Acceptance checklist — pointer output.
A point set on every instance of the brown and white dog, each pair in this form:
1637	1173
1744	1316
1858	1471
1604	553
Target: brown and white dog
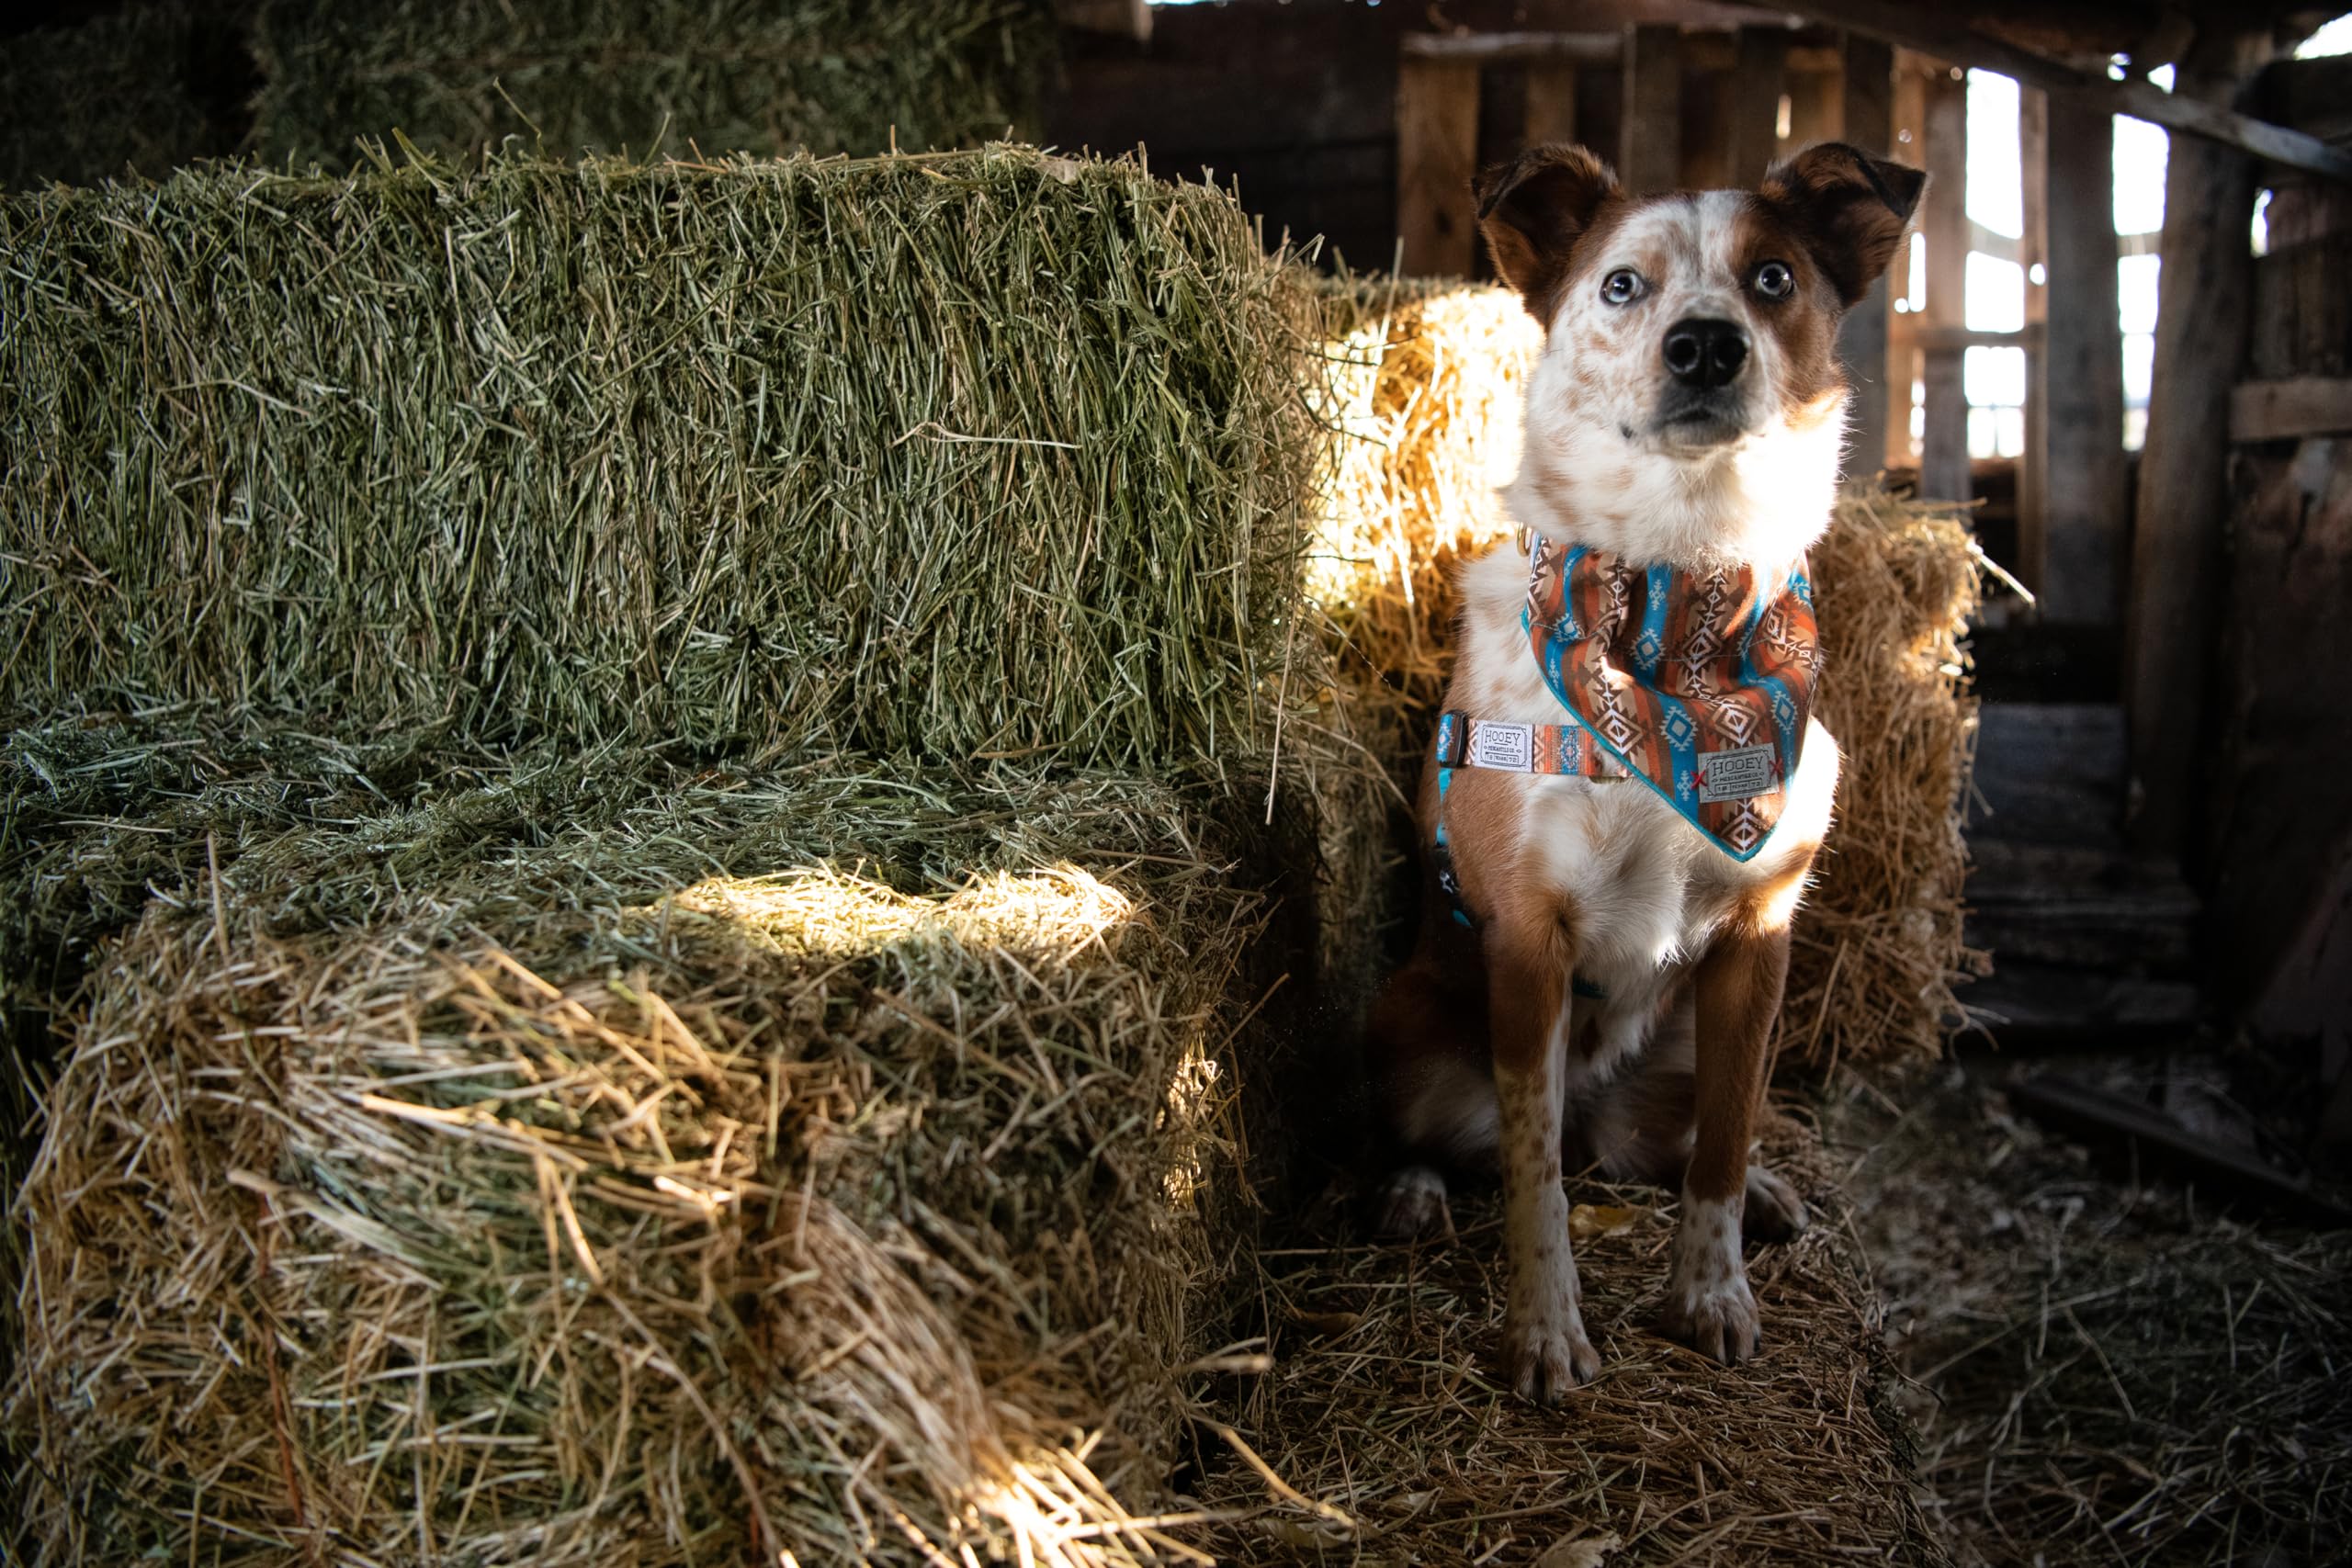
1610	989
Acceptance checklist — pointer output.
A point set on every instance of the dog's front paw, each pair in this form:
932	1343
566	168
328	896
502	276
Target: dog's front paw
1717	1320
1708	1304
1545	1359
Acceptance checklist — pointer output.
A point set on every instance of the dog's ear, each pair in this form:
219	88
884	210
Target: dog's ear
1850	208
1532	210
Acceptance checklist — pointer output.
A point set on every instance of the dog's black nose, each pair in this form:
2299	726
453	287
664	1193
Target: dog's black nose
1705	352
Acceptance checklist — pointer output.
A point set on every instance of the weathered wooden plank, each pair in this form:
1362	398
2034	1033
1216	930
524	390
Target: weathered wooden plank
1650	139
1437	153
2176	550
1551	112
1757	83
2281	846
1866	120
2289	409
2302	311
2080	388
1943	227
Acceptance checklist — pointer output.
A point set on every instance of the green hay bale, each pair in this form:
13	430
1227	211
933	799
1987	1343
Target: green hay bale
537	1215
975	454
457	77
110	95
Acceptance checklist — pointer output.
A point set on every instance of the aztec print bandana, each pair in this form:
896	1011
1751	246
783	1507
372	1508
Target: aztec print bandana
1692	682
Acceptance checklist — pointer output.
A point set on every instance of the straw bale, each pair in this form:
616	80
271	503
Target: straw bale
1427	397
855	1208
1381	1416
1877	949
108	96
972	455
455	77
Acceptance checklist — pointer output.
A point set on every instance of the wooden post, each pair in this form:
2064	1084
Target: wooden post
1816	109
1943	452
1437	152
1649	138
2034	461
2202	332
2078	395
1866	120
1551	101
1903	368
1756	85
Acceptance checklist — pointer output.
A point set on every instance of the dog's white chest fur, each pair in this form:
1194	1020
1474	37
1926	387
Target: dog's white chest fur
1649	889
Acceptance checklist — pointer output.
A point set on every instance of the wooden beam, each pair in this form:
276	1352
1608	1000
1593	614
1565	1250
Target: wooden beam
1717	50
1865	109
2033	458
1437	153
2086	1110
1755	85
1551	112
1915	331
1649	138
1934	31
2291	409
1992	242
1499	49
2080	388
1943	226
2177	543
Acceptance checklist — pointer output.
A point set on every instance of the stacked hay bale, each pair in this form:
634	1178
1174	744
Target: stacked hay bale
414	1198
647	77
1428	402
993	455
803	649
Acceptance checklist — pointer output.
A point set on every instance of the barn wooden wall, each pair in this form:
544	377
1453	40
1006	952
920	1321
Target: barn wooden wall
1299	101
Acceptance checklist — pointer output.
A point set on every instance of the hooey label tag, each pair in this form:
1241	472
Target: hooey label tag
1493	745
1741	773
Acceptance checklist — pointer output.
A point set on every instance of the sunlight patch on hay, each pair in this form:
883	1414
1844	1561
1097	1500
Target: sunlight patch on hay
821	910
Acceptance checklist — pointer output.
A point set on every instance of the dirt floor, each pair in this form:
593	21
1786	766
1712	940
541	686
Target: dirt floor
2103	1364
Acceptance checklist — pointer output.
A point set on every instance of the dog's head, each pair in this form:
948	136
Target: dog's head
1692	336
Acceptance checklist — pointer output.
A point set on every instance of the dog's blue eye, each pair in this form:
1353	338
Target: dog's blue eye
1622	287
1775	281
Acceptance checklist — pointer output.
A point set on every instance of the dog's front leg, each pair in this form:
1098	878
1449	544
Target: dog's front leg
1708	1303
1530	955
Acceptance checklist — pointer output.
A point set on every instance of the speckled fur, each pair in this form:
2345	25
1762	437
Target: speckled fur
1480	1055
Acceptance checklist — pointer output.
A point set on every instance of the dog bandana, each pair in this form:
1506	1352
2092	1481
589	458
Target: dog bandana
1695	683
